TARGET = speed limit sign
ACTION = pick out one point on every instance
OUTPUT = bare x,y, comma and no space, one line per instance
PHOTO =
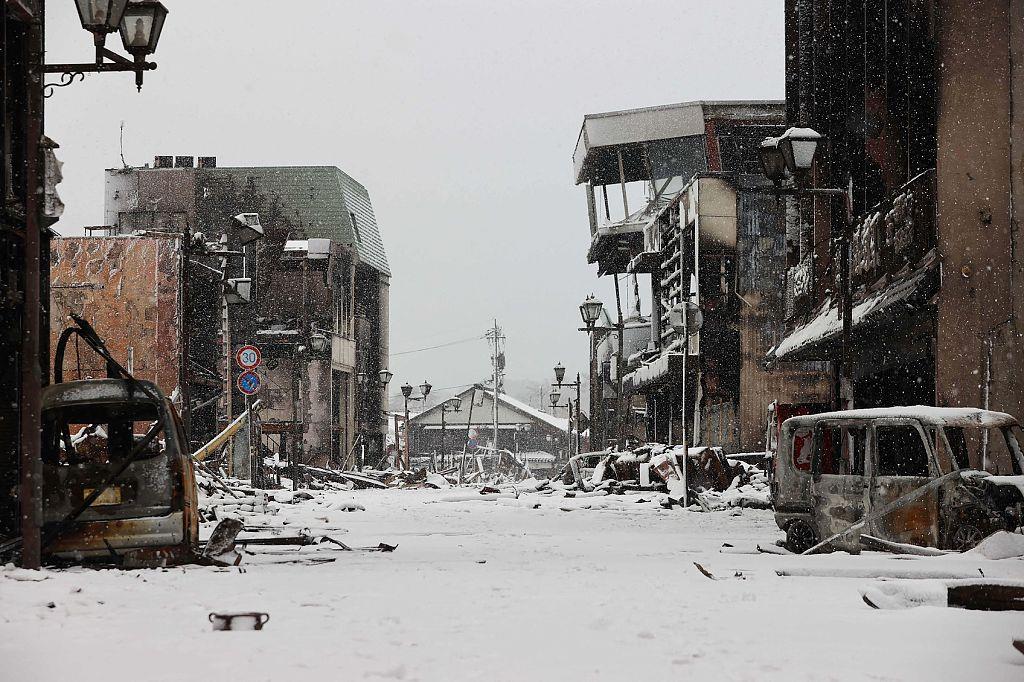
248,357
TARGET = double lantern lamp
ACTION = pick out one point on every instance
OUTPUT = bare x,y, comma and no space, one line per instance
139,22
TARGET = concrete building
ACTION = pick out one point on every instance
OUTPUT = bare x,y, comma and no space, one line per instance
704,231
321,272
922,104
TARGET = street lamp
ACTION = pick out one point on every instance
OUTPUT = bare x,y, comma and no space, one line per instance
407,395
559,372
100,17
141,26
248,228
590,311
555,397
140,23
319,341
790,156
385,376
559,383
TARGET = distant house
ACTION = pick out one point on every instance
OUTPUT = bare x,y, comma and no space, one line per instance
540,437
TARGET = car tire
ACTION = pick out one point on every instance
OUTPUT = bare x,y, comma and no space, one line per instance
800,536
966,536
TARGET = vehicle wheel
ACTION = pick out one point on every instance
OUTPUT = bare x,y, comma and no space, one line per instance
965,537
800,536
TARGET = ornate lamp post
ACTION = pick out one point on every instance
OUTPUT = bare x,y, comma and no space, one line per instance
559,376
787,161
407,395
140,23
590,311
555,396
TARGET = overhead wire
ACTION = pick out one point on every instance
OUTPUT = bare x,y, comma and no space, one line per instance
440,345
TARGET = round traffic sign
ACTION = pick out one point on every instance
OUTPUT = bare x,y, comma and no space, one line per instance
249,382
248,357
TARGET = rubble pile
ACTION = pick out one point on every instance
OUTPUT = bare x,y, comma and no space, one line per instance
713,481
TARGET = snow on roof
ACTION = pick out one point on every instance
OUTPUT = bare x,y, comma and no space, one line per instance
557,422
939,416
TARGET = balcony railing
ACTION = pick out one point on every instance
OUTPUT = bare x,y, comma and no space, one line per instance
799,287
895,233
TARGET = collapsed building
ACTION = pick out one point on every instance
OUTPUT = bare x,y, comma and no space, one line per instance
703,233
163,280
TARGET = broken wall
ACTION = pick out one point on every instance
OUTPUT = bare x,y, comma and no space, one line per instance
128,289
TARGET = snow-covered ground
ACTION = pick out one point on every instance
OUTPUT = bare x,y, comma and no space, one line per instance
499,590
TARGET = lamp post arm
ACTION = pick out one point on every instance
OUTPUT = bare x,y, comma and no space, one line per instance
794,191
97,68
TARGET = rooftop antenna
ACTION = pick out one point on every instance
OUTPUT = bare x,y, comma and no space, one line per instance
122,146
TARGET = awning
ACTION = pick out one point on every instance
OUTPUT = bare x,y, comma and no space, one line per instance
654,374
814,339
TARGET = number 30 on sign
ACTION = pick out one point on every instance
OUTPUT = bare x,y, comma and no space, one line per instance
248,357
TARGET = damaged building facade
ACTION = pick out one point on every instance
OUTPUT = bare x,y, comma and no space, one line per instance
317,287
921,103
703,231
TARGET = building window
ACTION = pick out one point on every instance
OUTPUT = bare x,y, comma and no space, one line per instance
355,226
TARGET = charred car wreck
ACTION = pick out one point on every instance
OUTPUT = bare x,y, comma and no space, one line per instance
118,482
935,477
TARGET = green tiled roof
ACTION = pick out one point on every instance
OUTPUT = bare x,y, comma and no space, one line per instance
325,199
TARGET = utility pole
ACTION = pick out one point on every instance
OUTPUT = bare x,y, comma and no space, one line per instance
620,366
498,361
229,369
579,387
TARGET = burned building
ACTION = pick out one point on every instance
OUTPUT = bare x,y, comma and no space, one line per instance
921,103
317,283
705,232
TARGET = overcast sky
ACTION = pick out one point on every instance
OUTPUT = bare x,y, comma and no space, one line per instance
459,116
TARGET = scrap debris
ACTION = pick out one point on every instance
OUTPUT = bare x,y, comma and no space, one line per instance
968,594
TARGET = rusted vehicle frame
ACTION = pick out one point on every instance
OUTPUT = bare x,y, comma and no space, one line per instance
159,523
83,533
812,504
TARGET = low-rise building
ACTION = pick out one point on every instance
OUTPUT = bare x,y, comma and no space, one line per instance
521,429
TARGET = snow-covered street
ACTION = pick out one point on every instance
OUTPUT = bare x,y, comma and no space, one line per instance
500,590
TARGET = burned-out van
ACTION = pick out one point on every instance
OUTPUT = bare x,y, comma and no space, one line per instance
937,477
118,482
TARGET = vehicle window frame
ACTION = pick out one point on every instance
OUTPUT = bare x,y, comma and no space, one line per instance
933,464
793,452
1014,444
56,418
841,424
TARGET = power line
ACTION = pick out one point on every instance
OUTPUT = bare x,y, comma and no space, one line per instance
440,345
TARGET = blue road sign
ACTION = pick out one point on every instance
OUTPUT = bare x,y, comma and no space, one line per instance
249,382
